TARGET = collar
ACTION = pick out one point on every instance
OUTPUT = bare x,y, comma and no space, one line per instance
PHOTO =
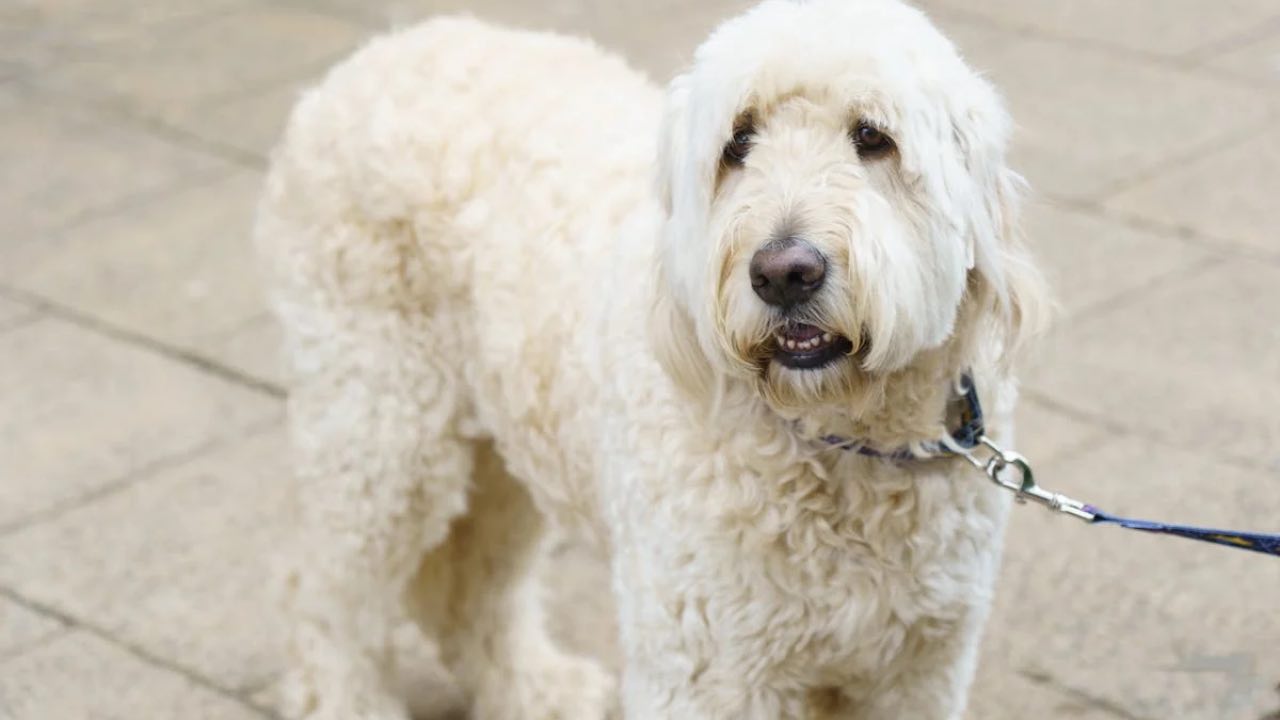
963,407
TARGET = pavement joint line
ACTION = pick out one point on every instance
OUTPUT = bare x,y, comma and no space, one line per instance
1089,699
21,320
1260,31
1161,167
145,342
1186,233
1119,431
179,137
135,650
45,639
131,478
139,200
1129,297
114,111
1027,31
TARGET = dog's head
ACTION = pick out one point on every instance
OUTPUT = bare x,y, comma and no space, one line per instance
838,207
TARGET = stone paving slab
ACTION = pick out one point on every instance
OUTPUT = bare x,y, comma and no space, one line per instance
1194,361
63,163
1172,28
82,413
1089,119
22,628
1121,260
186,554
14,313
1257,58
1162,627
82,676
161,70
177,268
1227,193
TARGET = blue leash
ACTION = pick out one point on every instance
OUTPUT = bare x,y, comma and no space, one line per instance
970,436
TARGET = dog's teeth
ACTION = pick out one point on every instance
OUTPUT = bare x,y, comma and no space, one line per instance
827,337
791,344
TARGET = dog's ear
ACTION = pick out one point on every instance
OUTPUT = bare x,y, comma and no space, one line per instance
1020,294
673,142
1009,283
685,176
674,339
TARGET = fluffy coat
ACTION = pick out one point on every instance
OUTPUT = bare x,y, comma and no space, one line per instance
499,322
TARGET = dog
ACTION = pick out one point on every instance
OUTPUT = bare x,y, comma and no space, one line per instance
714,333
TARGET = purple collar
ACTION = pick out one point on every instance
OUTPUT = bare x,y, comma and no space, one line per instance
965,436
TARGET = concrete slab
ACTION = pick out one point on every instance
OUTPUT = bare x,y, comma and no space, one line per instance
64,163
179,268
22,628
1161,627
1092,262
252,122
159,71
83,676
1088,119
1162,27
13,313
1190,362
1227,193
82,412
1257,59
185,554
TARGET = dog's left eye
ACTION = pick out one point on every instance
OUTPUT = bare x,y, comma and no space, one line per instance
735,153
871,142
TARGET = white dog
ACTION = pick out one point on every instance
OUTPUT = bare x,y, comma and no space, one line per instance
499,323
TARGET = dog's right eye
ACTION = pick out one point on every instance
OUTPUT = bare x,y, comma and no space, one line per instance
735,153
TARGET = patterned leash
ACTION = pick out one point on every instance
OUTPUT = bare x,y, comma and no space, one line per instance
969,439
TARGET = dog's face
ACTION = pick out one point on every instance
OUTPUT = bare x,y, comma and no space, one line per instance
836,196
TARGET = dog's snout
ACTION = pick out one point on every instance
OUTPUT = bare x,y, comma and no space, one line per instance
787,272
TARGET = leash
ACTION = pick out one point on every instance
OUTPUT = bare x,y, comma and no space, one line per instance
969,439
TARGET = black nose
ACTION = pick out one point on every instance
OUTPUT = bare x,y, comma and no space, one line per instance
787,272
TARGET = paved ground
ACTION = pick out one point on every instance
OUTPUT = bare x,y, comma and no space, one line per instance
140,451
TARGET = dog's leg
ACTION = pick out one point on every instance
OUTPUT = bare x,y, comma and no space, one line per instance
934,686
382,472
479,596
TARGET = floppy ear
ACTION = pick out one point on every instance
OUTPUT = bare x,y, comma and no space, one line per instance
1020,295
1009,284
674,339
684,195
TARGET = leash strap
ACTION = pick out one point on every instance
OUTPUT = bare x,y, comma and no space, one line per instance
1257,542
1012,472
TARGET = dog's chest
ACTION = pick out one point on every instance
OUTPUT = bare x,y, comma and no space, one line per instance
851,577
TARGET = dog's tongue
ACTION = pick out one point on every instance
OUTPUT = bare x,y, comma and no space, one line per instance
801,332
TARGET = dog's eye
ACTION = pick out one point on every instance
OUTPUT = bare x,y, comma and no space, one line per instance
870,141
736,151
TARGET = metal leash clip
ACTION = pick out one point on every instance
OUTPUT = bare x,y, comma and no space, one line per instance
1025,486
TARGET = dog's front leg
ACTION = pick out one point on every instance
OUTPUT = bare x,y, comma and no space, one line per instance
934,686
681,663
660,687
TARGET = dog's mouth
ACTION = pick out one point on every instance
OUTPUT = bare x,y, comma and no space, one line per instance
808,347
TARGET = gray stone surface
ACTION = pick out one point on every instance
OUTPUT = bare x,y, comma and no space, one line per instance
1227,194
22,628
141,476
13,313
83,413
82,677
186,554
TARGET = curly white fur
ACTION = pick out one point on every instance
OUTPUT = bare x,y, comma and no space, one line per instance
497,321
